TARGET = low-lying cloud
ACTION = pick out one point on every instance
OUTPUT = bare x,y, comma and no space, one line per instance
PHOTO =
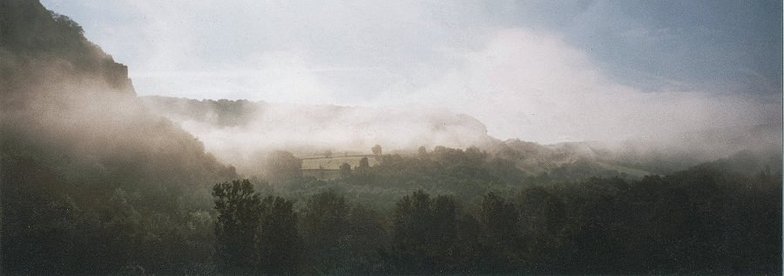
520,83
520,79
242,133
534,86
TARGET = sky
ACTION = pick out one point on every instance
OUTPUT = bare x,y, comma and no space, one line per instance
543,71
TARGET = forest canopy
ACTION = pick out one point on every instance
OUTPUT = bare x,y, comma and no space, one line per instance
94,180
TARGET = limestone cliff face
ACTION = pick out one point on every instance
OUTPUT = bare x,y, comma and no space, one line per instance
62,98
37,45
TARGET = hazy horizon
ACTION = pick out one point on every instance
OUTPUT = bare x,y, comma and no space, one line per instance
539,71
375,137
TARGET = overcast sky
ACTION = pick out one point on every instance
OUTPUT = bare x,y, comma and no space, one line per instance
544,71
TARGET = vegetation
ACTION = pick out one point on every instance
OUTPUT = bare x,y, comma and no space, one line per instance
711,218
107,188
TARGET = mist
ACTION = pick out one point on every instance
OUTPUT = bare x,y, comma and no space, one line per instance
533,86
242,133
517,84
380,138
546,77
69,108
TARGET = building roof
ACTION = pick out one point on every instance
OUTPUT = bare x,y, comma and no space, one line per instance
334,163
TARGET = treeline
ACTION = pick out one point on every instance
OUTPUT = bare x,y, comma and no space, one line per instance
65,217
451,211
108,188
90,181
701,220
465,174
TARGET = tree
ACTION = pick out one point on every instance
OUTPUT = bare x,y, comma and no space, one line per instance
542,217
376,150
278,242
283,167
364,167
500,221
345,170
444,227
324,226
424,233
422,152
328,154
237,205
367,235
541,213
363,163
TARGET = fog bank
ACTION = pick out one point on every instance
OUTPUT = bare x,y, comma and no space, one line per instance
242,132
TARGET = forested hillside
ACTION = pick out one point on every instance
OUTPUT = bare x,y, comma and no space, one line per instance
94,180
243,133
91,181
455,211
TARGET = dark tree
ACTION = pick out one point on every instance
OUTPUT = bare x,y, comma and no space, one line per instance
542,219
279,243
363,163
444,225
541,213
500,221
238,221
345,170
283,167
325,227
422,152
364,167
424,233
376,150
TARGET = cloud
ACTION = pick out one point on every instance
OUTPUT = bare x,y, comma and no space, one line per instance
534,86
278,76
542,83
261,128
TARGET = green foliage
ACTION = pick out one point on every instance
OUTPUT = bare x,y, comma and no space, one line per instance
345,170
238,222
254,234
279,242
501,234
128,192
424,232
706,219
283,168
324,227
364,166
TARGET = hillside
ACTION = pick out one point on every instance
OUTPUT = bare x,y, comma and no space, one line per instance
242,132
97,181
80,154
642,156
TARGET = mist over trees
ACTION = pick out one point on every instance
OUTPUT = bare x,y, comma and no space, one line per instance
91,181
94,182
710,218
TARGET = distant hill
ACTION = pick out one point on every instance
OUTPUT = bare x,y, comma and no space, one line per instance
693,147
240,132
639,157
333,163
95,180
